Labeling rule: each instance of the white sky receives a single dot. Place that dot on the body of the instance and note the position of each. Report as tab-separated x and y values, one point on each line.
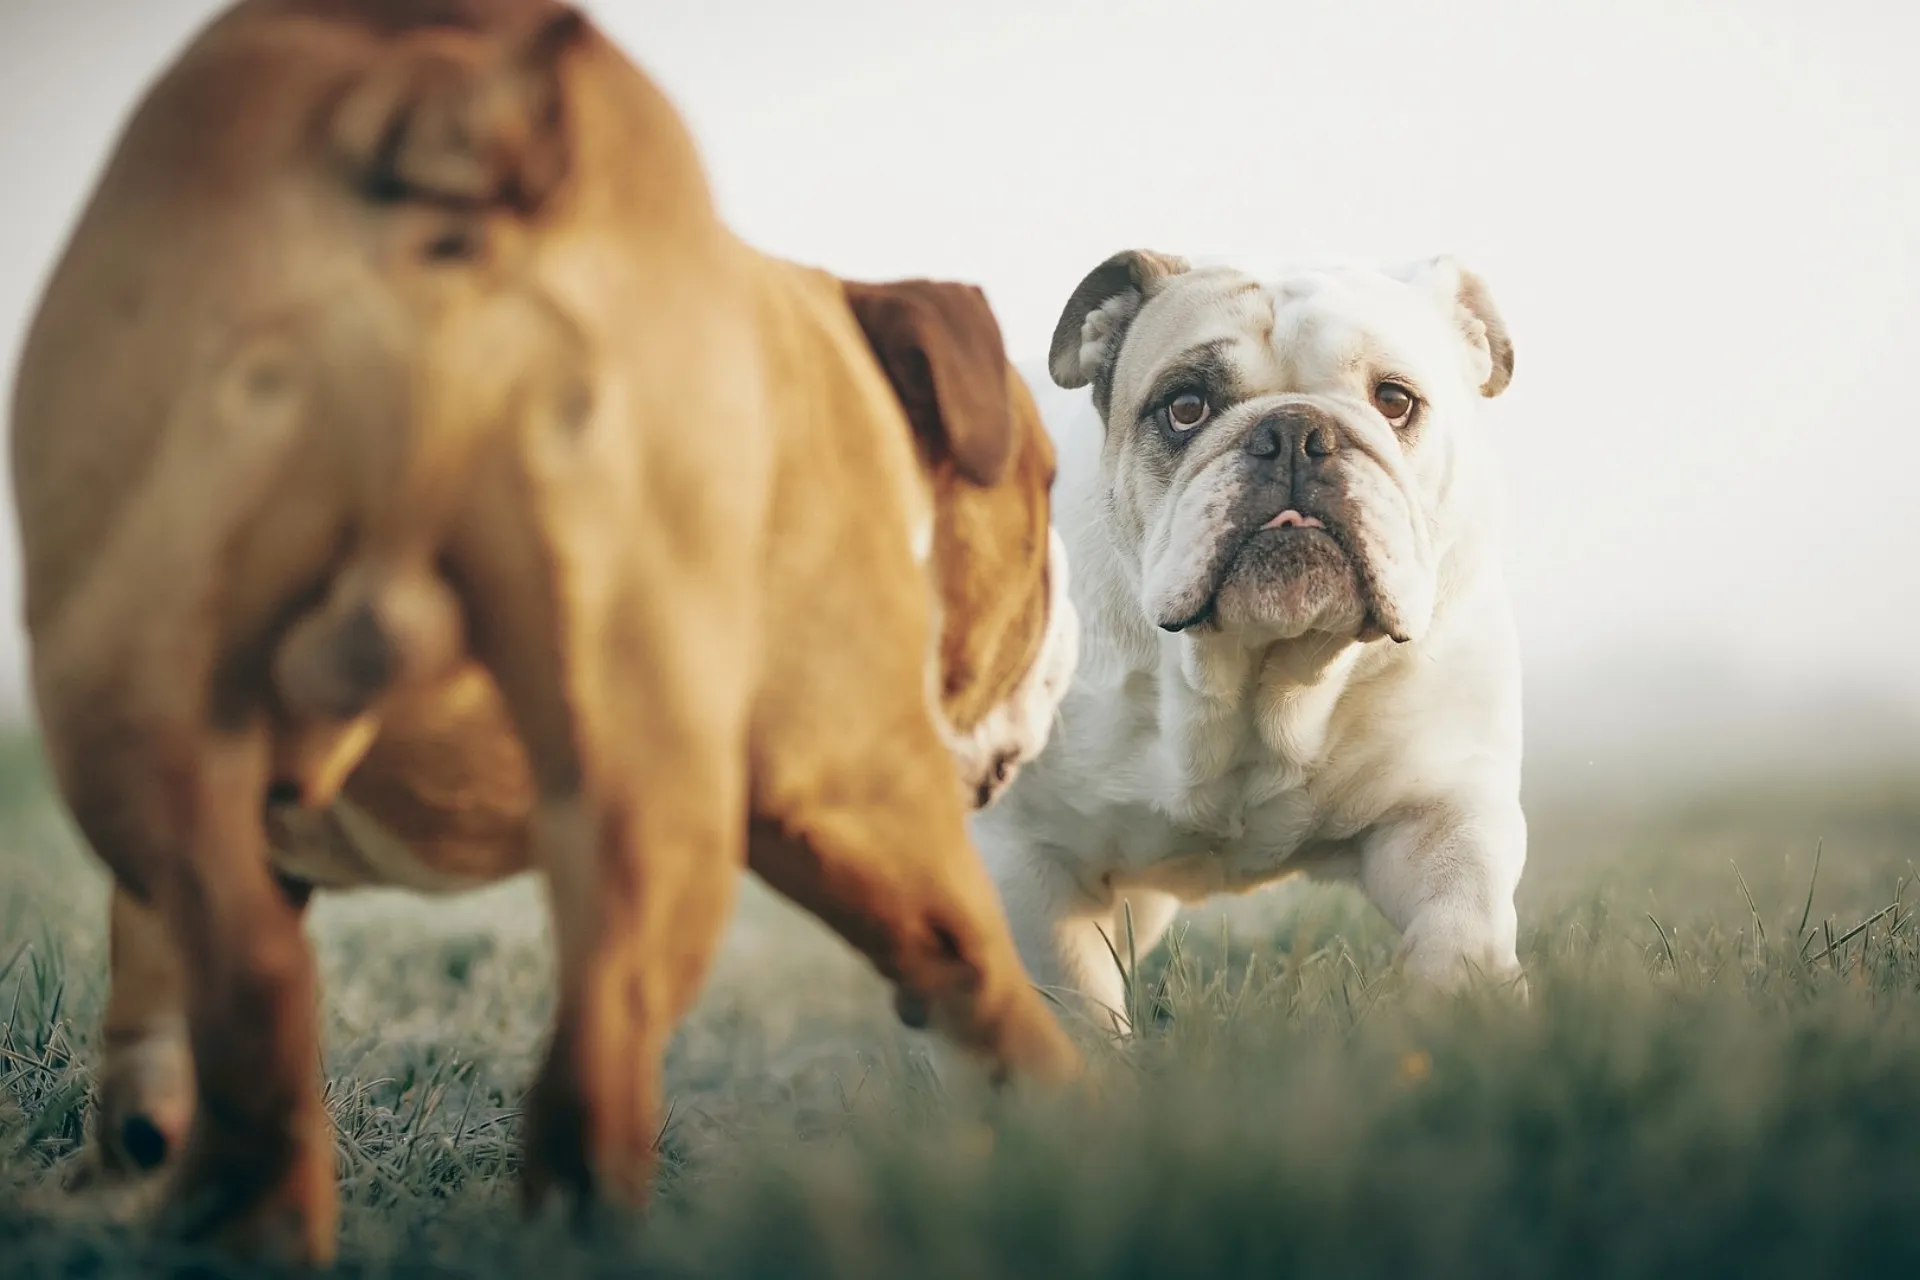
1701	220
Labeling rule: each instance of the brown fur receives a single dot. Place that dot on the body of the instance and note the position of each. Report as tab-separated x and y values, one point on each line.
397	385
987	531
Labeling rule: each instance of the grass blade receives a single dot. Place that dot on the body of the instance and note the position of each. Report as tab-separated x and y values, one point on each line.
1759	925
1806	912
1666	942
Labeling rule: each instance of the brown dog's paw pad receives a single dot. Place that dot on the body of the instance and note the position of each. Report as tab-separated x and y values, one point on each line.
914	1011
144	1143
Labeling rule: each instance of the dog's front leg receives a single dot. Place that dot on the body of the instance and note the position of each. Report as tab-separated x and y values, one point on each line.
1076	942
880	854
864	826
1445	874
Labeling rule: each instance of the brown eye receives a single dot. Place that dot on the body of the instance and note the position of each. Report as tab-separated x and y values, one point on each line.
1394	402
1187	411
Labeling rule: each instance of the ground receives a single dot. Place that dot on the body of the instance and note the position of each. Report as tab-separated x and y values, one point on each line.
1719	1073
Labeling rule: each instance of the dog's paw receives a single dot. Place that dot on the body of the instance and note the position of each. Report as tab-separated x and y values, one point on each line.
256	1204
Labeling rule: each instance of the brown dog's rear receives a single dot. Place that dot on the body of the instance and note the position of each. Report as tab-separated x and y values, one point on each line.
401	335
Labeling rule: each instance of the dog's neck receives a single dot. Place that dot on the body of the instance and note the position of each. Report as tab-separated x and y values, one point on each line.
1283	692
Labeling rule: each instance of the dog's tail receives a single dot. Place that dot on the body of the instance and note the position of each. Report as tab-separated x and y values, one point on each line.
383	627
460	125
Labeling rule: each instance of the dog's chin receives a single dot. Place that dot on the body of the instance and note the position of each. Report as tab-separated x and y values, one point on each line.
1287	583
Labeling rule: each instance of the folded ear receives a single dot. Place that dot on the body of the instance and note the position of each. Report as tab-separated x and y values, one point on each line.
462	120
941	348
1087	340
1478	303
1455	287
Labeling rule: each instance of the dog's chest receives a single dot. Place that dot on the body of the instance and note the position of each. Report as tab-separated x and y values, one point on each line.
1233	829
1234	797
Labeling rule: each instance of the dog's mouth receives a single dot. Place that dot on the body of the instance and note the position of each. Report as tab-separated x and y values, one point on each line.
1290	525
1291	519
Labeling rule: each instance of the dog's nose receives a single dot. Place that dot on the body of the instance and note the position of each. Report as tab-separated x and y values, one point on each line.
1292	432
1268	439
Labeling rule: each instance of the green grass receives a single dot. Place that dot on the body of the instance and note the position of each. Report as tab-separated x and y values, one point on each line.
1719	1074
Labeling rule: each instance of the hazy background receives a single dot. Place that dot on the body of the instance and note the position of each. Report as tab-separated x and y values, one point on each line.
1701	221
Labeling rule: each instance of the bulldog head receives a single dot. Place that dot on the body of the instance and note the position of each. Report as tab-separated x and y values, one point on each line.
1009	636
1280	455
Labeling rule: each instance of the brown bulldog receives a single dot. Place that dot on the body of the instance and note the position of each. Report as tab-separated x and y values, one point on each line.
419	484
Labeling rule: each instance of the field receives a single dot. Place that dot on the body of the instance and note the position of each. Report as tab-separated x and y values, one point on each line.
1719	1073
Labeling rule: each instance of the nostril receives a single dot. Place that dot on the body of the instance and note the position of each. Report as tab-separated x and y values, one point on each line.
1002	768
143	1142
1264	440
1320	443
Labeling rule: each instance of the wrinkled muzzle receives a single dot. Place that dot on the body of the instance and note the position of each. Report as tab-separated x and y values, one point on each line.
1300	521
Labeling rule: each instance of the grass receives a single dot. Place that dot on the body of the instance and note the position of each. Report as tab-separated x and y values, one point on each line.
1719	1074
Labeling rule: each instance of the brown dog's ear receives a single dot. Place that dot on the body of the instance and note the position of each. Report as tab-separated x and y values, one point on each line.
453	121
941	349
1086	342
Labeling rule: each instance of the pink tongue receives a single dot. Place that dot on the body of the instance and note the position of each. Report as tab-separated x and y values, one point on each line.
1292	519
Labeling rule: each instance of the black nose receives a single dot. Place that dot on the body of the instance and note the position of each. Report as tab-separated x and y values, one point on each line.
1292	432
1268	439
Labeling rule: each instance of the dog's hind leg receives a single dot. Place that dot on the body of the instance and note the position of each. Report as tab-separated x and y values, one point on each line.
153	725
144	1101
620	630
640	884
258	1167
174	808
640	901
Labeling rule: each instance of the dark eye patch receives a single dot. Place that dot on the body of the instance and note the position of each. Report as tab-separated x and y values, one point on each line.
1204	371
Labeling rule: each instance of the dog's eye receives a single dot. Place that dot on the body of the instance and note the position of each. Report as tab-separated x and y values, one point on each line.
1394	402
1187	411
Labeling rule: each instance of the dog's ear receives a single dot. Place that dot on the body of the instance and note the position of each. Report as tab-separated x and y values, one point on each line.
1477	302
1087	340
941	348
467	122
1456	288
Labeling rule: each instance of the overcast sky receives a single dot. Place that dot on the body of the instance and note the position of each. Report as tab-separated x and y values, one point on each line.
1701	220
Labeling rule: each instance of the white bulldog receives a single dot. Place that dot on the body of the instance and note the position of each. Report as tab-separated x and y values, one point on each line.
1298	654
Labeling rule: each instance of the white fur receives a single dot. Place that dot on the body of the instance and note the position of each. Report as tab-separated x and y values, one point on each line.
922	543
1213	761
